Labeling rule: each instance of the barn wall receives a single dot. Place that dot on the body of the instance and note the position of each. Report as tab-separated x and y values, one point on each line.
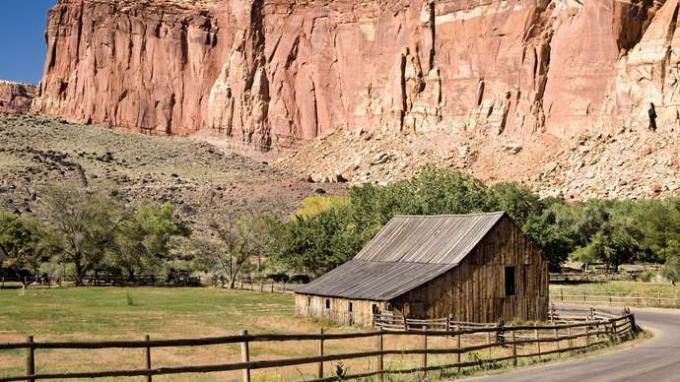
315	306
475	289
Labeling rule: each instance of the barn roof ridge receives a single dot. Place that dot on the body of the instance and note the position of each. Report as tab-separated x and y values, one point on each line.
452	215
405	254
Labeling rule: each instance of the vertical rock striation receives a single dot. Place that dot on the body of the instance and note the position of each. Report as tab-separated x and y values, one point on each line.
273	73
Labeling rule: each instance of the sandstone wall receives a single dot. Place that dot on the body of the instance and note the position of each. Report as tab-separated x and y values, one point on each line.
273	73
15	98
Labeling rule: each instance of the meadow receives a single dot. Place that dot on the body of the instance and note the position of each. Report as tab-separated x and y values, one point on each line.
92	314
96	314
617	293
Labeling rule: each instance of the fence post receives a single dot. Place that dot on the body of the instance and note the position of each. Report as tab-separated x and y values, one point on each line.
570	342
633	327
611	302
561	294
405	323
615	329
381	376
458	341
587	331
584	296
658	297
272	291
147	356
321	354
30	358
538	342
552	313
425	352
245	355
514	348
557	338
448	323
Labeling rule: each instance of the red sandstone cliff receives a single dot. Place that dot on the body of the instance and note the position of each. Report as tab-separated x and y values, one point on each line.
273	73
15	97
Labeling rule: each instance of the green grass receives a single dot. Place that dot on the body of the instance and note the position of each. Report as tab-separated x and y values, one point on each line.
163	313
628	293
78	312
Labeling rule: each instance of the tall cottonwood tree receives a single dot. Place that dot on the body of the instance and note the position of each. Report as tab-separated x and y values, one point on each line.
143	240
85	224
22	248
232	241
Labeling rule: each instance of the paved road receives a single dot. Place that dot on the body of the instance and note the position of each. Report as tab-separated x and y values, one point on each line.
653	360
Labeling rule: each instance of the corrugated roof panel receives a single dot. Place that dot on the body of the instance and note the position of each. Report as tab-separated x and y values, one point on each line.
441	239
379	281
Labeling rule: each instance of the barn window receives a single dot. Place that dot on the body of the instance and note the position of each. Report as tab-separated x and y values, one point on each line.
374	309
328	303
509	281
350	307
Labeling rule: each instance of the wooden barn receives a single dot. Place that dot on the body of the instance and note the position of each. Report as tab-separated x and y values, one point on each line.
476	267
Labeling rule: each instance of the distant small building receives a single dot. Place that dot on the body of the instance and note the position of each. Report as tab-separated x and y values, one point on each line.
476	267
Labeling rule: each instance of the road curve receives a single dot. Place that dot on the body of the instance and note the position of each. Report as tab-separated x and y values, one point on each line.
654	360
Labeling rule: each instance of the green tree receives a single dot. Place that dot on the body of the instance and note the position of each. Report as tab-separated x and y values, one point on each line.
22	248
143	239
84	223
231	242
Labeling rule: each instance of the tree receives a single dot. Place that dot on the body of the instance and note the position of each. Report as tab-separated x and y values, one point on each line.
671	269
550	230
85	224
320	243
143	238
22	249
233	241
606	232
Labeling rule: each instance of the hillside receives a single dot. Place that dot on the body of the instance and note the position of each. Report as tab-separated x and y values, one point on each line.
37	151
507	90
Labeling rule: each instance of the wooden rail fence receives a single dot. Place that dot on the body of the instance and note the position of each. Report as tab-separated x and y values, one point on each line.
657	298
596	327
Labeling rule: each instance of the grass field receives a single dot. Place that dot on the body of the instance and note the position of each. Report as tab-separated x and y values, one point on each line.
164	313
627	293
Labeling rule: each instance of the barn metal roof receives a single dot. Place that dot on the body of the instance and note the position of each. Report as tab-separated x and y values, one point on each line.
407	253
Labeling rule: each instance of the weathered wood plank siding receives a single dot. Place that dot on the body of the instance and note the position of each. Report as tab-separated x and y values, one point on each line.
475	289
315	306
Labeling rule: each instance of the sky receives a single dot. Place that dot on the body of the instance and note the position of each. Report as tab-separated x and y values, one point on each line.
22	42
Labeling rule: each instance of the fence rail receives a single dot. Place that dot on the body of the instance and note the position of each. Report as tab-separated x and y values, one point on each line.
597	327
657	298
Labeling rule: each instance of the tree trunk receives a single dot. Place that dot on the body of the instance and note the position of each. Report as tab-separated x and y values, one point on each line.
80	271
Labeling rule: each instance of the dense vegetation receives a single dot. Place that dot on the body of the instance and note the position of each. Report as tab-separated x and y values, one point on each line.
610	232
76	232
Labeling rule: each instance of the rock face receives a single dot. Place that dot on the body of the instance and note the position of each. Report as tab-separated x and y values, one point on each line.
15	97
276	73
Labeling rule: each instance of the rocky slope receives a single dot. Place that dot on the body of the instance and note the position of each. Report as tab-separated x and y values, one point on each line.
502	88
16	97
195	176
